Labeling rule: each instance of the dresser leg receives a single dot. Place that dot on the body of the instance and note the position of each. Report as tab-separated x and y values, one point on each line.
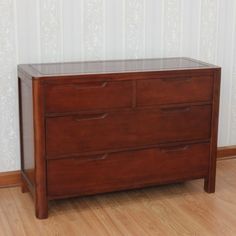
24	186
209	184
41	209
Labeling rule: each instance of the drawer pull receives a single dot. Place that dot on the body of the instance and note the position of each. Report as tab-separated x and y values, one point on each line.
91	117
90	85
176	109
91	158
175	149
186	79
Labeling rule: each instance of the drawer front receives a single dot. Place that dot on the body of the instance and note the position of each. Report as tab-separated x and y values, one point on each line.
125	170
85	96
106	131
174	90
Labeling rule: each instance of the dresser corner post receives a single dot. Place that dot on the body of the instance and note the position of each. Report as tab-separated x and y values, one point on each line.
41	201
209	183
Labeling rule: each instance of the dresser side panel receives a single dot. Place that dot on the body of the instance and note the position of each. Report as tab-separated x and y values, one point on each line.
27	132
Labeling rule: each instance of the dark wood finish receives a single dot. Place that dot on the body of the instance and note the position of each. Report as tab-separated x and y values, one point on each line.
12	178
41	203
24	185
93	127
72	97
83	133
163	91
39	71
209	184
122	170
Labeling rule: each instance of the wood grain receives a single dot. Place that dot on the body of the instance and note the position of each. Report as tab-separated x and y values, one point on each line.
108	107
77	97
177	209
109	173
11	178
118	130
41	203
209	184
226	152
110	67
190	89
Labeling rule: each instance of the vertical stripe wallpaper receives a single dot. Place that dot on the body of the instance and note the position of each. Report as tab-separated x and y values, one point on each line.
68	30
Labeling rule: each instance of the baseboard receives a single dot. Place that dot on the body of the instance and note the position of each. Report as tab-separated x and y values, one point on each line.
13	178
228	152
10	179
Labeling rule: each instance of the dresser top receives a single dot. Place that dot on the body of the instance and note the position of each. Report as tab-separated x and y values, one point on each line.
113	66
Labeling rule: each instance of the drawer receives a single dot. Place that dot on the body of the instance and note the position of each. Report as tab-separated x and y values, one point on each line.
116	130
74	97
126	170
174	90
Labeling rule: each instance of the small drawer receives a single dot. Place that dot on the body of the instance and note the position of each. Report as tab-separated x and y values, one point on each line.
72	97
117	130
174	90
126	170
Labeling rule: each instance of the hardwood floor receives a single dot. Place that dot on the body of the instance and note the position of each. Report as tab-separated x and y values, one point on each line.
179	209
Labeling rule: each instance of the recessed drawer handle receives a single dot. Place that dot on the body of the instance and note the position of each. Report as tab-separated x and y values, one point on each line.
91	117
176	109
90	85
91	158
186	79
175	149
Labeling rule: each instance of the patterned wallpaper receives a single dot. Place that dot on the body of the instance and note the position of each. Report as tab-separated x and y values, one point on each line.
68	30
9	143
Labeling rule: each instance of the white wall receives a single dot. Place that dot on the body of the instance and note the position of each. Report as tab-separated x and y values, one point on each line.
65	30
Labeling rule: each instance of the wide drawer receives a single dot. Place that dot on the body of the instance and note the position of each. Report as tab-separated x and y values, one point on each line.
116	130
72	97
174	90
125	170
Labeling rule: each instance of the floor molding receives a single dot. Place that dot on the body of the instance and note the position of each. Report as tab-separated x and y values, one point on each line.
10	179
13	178
228	152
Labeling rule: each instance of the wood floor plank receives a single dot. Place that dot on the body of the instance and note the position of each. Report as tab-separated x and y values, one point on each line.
177	209
10	213
122	215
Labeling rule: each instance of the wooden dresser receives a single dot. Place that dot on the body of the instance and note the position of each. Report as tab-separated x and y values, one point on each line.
102	126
